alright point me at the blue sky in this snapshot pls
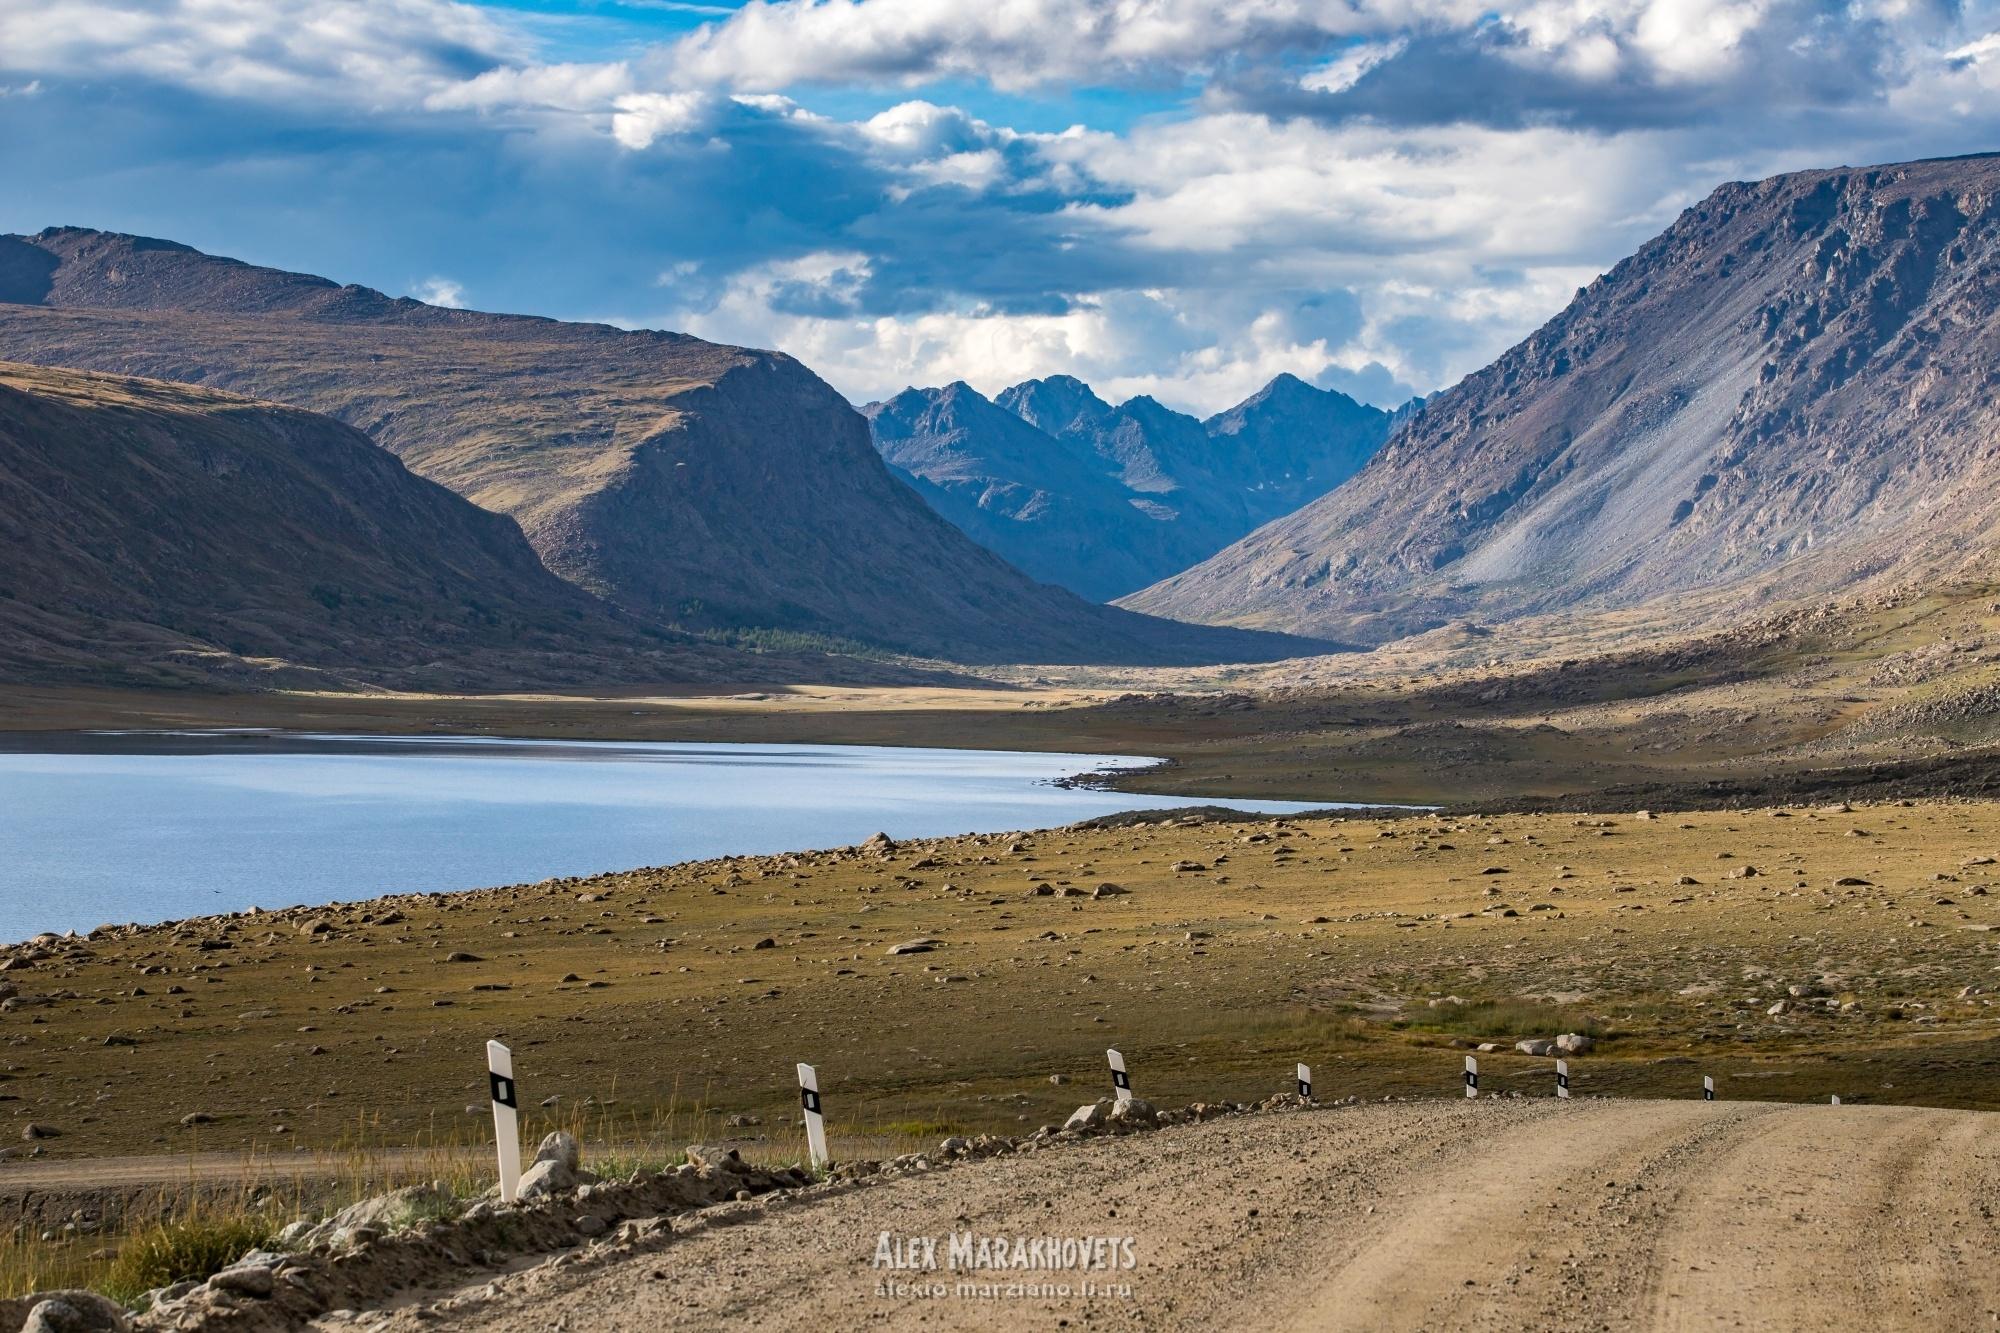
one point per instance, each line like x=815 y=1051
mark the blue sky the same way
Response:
x=1174 y=197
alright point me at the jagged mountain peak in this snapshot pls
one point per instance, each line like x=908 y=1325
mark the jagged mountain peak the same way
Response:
x=1056 y=404
x=1101 y=499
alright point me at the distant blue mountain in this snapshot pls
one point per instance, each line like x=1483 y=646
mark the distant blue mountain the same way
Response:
x=1106 y=500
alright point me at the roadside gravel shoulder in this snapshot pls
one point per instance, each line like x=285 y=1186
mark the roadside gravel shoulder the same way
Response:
x=1485 y=1215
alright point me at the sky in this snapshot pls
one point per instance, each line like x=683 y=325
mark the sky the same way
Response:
x=1171 y=197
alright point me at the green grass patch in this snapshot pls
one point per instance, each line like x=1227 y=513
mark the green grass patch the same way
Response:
x=1293 y=1030
x=921 y=1129
x=182 y=1249
x=1490 y=1019
x=624 y=1165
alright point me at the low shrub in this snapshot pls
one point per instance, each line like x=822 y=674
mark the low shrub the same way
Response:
x=182 y=1249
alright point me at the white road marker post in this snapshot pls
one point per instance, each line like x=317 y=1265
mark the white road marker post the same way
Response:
x=1471 y=1077
x=815 y=1122
x=1562 y=1079
x=1708 y=1087
x=1836 y=1099
x=1305 y=1074
x=1121 y=1082
x=506 y=1116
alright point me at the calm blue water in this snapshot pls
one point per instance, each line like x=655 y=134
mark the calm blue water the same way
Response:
x=139 y=827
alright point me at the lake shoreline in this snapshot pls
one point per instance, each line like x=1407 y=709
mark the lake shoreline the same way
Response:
x=140 y=826
x=1210 y=757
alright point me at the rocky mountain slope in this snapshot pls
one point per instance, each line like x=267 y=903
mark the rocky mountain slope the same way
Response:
x=690 y=484
x=156 y=533
x=1790 y=393
x=1105 y=500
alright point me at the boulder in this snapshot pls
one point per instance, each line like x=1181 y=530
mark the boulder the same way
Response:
x=376 y=1214
x=1134 y=1113
x=251 y=1280
x=1090 y=1117
x=292 y=1235
x=73 y=1312
x=704 y=1156
x=546 y=1179
x=1574 y=1043
x=561 y=1146
x=1536 y=1046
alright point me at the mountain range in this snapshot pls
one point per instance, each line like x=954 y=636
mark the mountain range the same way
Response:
x=1791 y=393
x=1106 y=500
x=687 y=484
x=160 y=534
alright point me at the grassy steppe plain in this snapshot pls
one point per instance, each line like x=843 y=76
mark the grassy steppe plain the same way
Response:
x=1371 y=948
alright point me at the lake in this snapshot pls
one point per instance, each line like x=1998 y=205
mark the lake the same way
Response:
x=107 y=828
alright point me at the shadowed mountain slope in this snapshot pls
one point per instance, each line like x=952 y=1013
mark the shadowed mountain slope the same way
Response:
x=155 y=533
x=688 y=483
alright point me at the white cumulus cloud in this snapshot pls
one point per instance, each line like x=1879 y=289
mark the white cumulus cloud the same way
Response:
x=440 y=292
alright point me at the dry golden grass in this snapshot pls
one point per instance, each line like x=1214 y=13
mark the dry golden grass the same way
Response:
x=632 y=994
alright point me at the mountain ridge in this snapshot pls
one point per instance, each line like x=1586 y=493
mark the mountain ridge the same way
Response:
x=1789 y=391
x=689 y=483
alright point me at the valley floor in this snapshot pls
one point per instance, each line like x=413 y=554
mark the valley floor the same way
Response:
x=1761 y=929
x=940 y=985
x=1897 y=698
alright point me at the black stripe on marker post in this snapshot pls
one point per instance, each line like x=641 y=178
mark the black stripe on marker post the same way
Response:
x=503 y=1089
x=809 y=1099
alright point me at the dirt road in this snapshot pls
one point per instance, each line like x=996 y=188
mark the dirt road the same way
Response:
x=1495 y=1215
